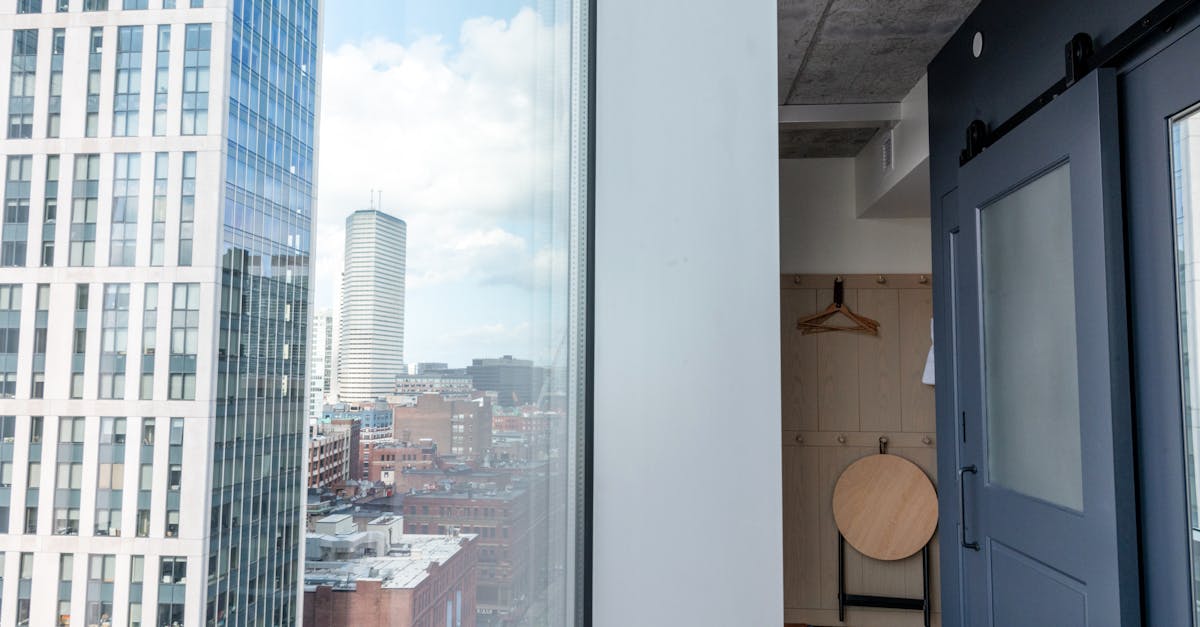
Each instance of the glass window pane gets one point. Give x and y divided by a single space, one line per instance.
1031 378
1185 169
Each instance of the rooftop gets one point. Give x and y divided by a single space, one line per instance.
393 571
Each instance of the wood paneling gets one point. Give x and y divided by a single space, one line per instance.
841 392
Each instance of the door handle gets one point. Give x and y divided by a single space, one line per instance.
962 509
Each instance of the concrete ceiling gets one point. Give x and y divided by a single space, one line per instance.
856 51
822 143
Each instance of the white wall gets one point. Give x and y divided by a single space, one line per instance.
687 519
819 233
902 191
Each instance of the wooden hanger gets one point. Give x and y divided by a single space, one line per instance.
819 322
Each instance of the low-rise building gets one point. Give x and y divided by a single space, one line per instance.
329 456
411 580
459 427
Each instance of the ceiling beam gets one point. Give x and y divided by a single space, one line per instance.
866 115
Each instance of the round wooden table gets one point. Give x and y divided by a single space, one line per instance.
885 507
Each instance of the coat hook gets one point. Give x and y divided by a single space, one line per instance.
881 279
923 279
883 442
926 441
799 438
796 279
841 439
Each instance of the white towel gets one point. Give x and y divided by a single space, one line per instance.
927 378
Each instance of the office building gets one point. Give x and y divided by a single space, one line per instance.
515 381
371 348
320 361
154 301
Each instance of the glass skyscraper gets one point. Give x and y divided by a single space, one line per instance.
159 166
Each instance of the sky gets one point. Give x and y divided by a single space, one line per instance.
436 103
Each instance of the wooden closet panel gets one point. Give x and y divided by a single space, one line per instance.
843 391
801 539
837 369
799 365
880 365
916 310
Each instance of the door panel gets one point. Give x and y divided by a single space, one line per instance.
1050 533
1151 94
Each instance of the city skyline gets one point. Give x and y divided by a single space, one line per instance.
458 165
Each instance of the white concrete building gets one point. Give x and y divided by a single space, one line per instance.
154 279
320 363
371 349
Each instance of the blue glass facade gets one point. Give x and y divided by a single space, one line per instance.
256 519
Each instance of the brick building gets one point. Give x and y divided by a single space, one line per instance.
459 427
422 580
386 460
505 530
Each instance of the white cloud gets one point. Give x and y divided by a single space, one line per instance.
448 135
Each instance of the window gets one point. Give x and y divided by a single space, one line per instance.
66 576
113 340
102 572
85 202
172 577
135 5
187 209
162 80
10 338
185 340
29 6
137 577
95 5
95 61
79 339
158 225
149 344
174 476
16 211
129 78
57 49
125 209
197 45
21 84
50 211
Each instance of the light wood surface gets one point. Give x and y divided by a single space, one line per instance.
885 507
835 408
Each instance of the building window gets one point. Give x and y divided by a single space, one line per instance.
137 578
10 338
174 477
85 203
187 209
95 5
128 90
102 573
41 318
149 341
66 578
21 84
172 584
185 340
162 79
50 211
24 587
29 6
123 251
54 116
110 477
16 210
79 339
91 126
158 225
114 338
69 477
135 5
196 59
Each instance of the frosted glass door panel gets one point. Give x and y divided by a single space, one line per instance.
1031 379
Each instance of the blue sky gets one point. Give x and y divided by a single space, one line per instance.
348 21
434 102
